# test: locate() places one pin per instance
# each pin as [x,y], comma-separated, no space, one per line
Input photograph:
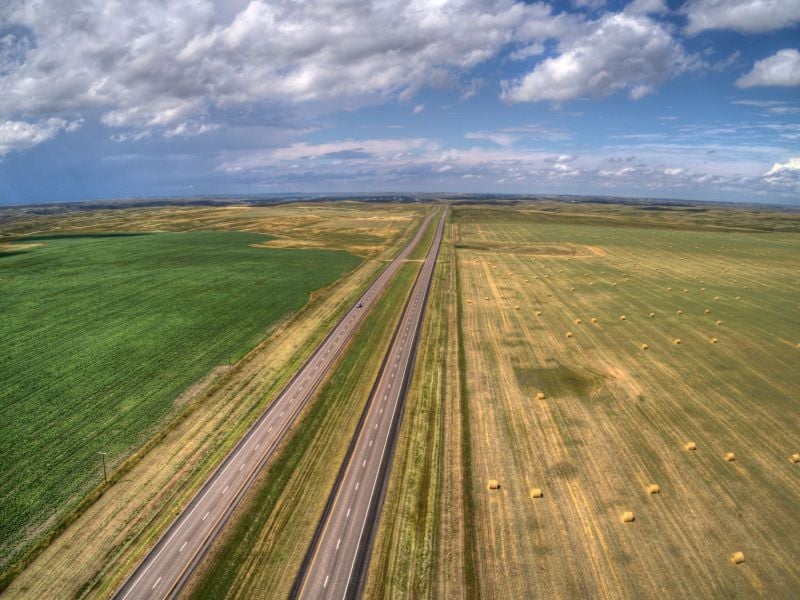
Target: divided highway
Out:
[165,569]
[336,562]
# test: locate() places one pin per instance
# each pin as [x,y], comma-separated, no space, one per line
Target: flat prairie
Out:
[594,354]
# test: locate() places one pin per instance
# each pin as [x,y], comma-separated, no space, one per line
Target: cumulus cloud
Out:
[18,135]
[793,164]
[747,16]
[618,51]
[780,69]
[418,109]
[168,66]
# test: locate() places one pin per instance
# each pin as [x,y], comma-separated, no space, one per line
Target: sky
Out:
[686,99]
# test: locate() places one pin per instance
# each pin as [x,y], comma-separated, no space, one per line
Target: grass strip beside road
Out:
[261,549]
[406,551]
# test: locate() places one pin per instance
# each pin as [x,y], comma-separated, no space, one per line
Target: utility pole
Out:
[105,476]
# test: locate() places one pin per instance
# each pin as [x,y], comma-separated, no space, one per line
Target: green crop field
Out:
[100,334]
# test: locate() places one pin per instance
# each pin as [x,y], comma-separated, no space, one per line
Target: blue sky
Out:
[696,99]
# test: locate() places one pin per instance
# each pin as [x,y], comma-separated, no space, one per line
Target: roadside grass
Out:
[260,552]
[419,549]
[124,518]
[616,415]
[100,334]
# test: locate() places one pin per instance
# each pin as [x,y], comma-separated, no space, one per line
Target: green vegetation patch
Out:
[101,334]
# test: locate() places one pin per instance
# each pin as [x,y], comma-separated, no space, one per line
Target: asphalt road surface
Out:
[165,569]
[339,554]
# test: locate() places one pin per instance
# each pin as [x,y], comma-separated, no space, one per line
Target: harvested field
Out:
[616,419]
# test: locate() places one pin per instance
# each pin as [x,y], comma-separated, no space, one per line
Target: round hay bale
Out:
[516,307]
[651,315]
[594,319]
[716,297]
[591,283]
[685,291]
[536,493]
[794,458]
[469,301]
[540,396]
[578,321]
[622,317]
[486,297]
[569,334]
[538,313]
[669,289]
[614,284]
[738,297]
[690,446]
[730,456]
[677,342]
[653,488]
[680,312]
[627,517]
[706,311]
[737,558]
[645,346]
[571,289]
[714,340]
[494,484]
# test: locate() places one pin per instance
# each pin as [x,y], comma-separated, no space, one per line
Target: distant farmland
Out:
[100,334]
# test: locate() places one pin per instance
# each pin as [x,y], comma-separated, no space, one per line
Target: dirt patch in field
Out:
[13,248]
[201,387]
[557,380]
[574,250]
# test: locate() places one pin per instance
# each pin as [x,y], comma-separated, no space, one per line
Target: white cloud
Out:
[19,135]
[793,164]
[167,66]
[499,138]
[618,51]
[645,7]
[418,109]
[775,107]
[781,69]
[534,49]
[747,16]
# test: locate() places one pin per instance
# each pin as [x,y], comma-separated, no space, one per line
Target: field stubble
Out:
[615,416]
